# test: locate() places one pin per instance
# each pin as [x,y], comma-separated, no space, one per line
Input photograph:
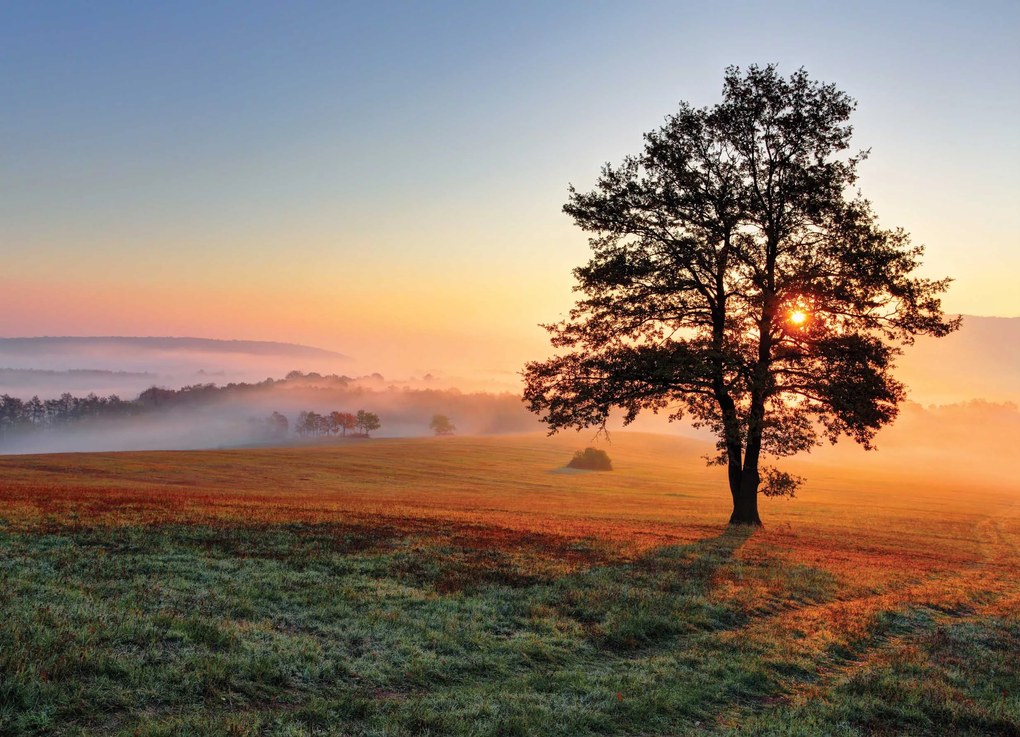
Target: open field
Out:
[470,586]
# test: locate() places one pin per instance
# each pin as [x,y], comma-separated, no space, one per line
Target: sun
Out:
[798,317]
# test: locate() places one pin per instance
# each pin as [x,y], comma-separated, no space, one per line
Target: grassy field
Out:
[470,586]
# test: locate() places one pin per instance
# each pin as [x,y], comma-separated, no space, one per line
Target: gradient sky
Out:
[385,179]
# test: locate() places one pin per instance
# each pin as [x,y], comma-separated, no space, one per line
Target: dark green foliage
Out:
[591,459]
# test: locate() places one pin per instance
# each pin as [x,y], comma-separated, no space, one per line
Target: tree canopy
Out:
[738,279]
[367,422]
[442,425]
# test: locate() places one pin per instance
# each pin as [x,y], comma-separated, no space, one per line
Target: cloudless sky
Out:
[385,179]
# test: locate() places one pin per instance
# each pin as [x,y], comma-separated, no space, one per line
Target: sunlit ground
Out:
[470,586]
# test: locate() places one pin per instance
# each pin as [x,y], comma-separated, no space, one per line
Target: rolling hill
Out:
[980,361]
[171,362]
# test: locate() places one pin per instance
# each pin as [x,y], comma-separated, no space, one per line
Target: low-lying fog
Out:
[944,426]
[240,418]
[972,440]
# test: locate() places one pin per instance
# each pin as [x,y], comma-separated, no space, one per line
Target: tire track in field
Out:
[1002,550]
[841,638]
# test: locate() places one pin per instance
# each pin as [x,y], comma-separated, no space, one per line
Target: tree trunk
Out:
[745,495]
[745,499]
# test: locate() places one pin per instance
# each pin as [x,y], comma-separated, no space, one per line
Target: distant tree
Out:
[311,423]
[591,459]
[441,425]
[155,396]
[333,423]
[346,421]
[12,415]
[736,278]
[278,425]
[62,409]
[36,411]
[321,424]
[371,422]
[367,422]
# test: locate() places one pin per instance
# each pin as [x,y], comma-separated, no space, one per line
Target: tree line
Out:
[312,424]
[19,415]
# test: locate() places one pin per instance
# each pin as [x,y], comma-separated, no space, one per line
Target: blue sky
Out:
[205,155]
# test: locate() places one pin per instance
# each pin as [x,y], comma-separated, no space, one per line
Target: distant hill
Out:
[132,364]
[980,361]
[37,373]
[51,345]
[26,382]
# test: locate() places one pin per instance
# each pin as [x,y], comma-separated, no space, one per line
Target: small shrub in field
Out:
[591,459]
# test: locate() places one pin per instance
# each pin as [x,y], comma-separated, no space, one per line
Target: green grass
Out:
[336,628]
[285,631]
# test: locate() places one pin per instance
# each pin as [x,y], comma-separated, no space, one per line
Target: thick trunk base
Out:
[745,508]
[744,489]
[745,518]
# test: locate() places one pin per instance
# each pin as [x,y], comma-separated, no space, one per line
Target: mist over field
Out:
[28,382]
[979,361]
[237,418]
[965,442]
[961,418]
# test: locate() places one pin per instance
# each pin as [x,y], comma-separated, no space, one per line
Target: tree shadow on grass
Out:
[457,563]
[661,595]
[325,616]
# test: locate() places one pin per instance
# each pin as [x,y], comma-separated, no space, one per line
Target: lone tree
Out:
[737,278]
[442,425]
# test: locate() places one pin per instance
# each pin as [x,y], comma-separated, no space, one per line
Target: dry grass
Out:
[875,588]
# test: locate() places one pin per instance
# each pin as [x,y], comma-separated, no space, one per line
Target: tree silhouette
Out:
[347,422]
[442,425]
[278,425]
[367,422]
[736,279]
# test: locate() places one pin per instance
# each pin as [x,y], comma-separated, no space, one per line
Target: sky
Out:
[386,179]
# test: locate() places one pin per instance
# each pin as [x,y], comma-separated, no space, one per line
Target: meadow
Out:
[473,586]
